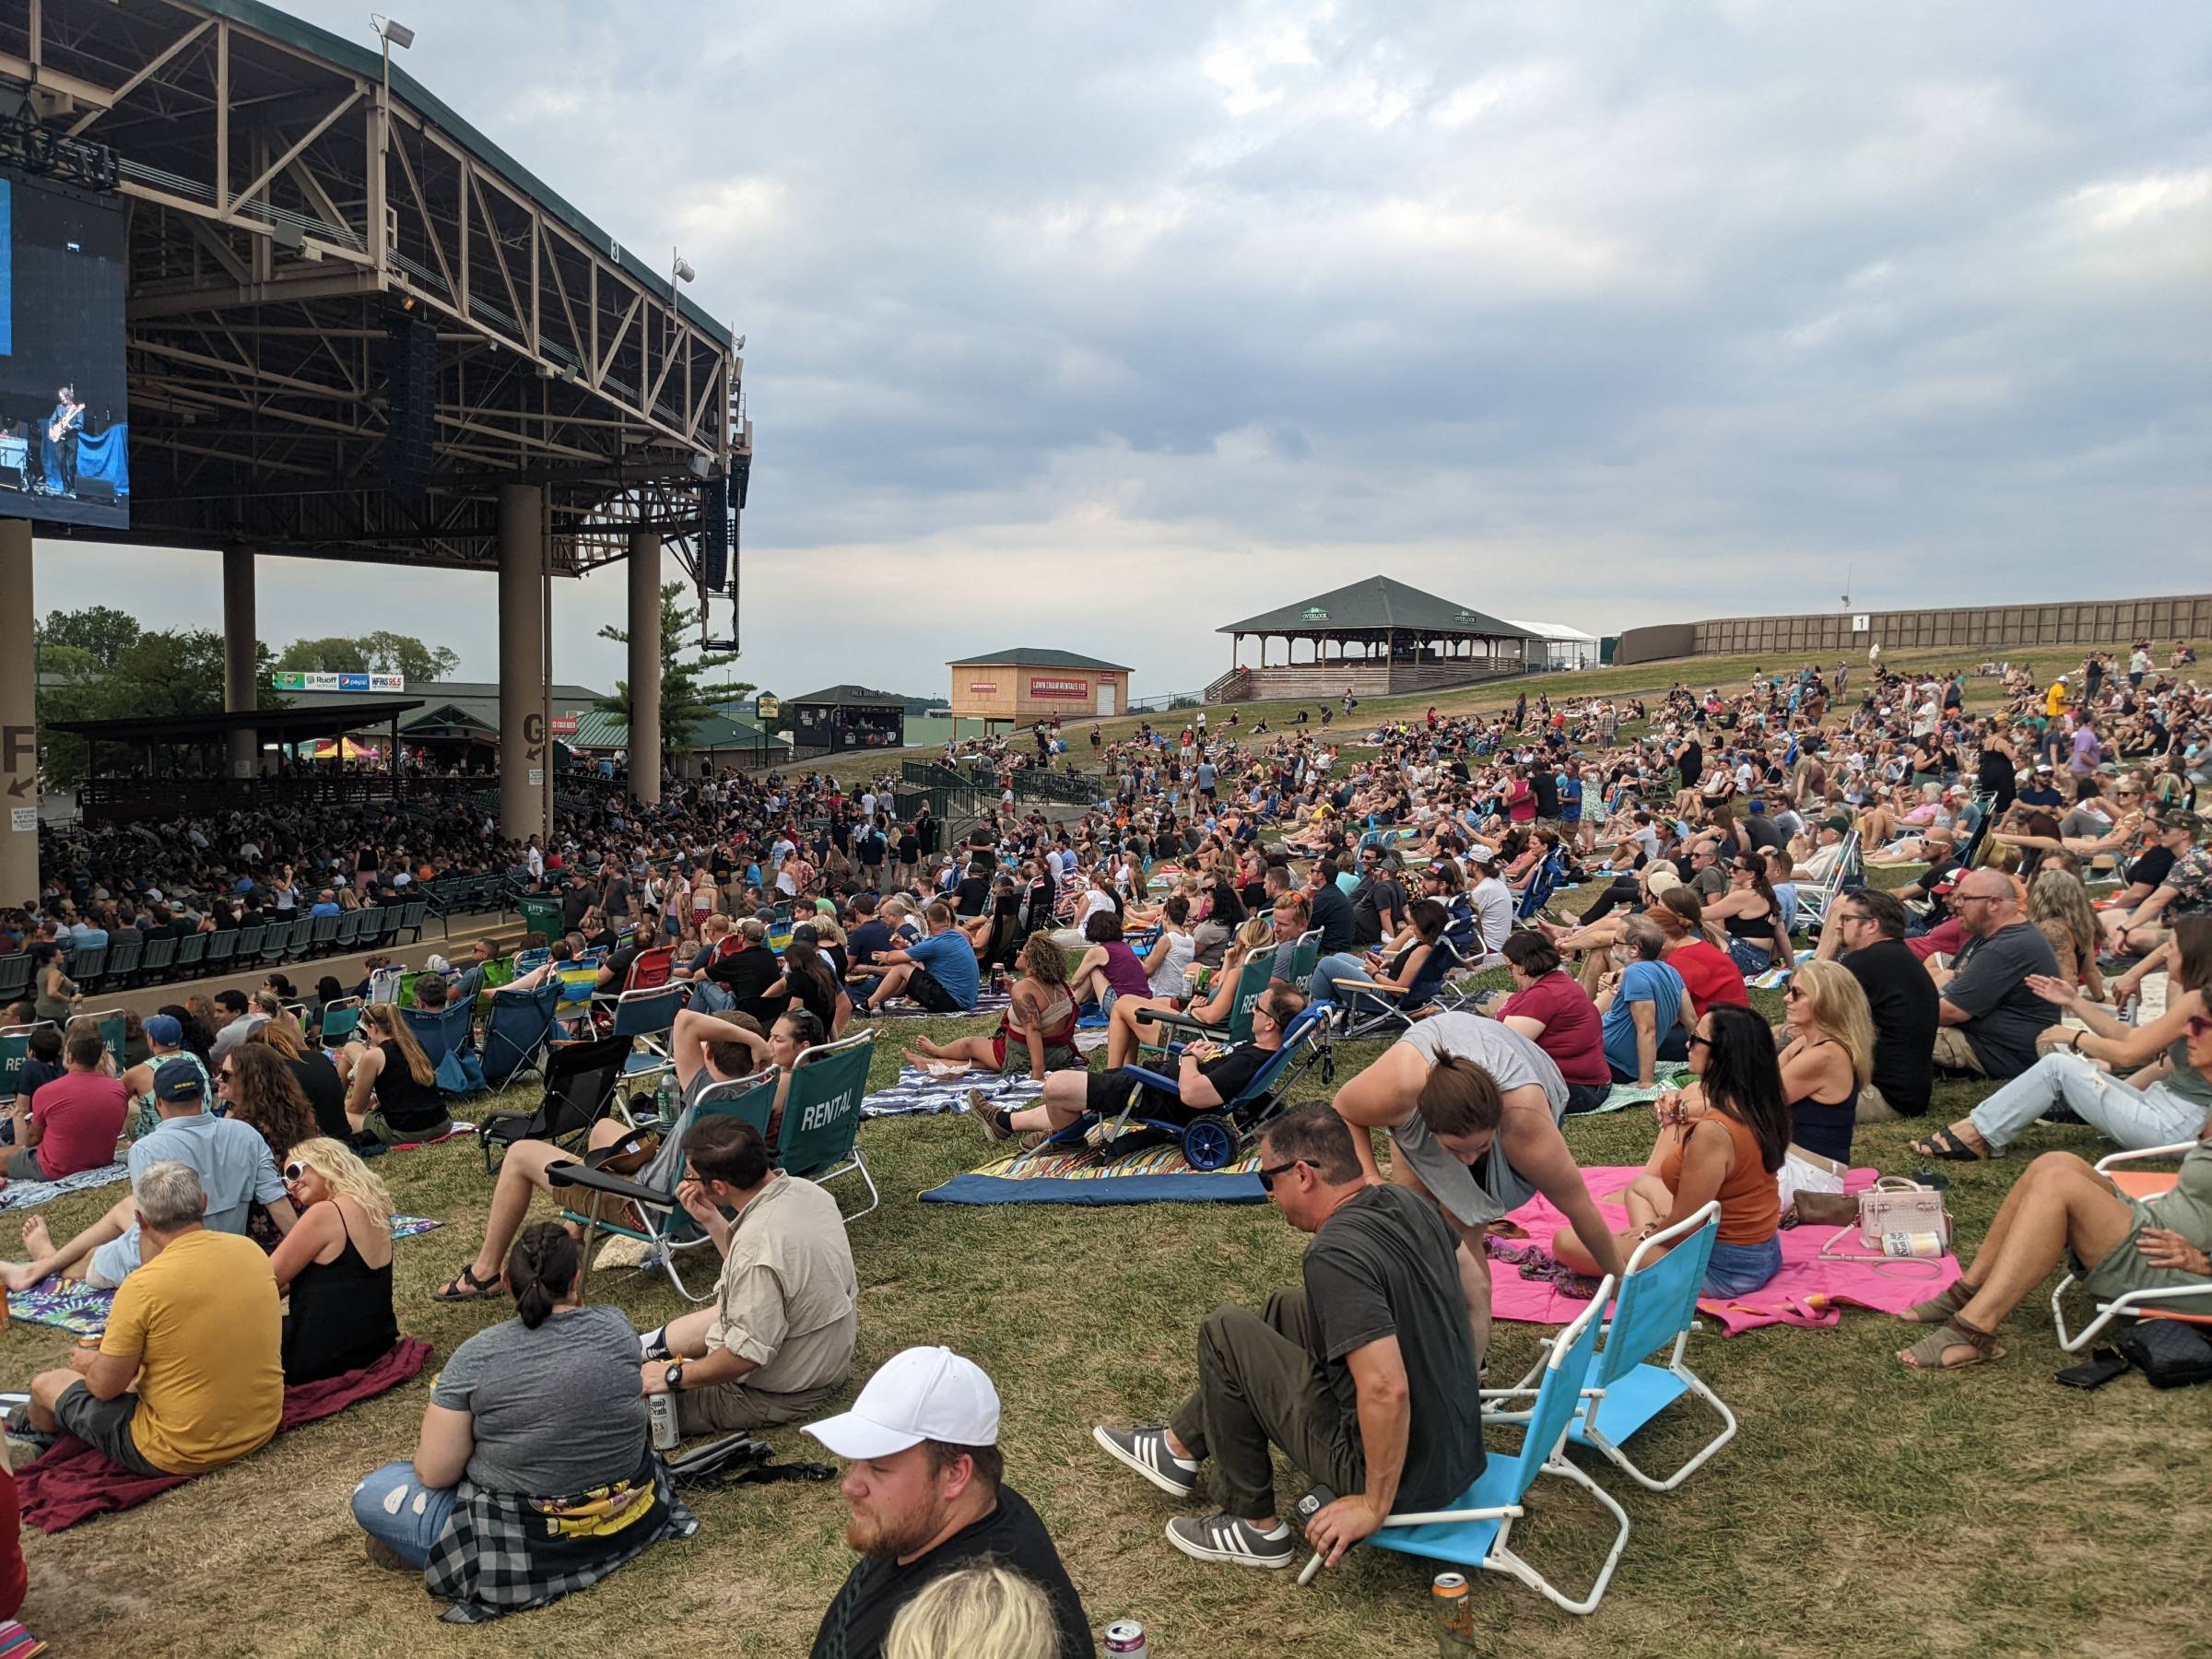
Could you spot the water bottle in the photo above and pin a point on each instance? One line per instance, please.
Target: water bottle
(664, 1097)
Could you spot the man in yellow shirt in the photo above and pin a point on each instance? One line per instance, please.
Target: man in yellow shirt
(197, 1325)
(2056, 697)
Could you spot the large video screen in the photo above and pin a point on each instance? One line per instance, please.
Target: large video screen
(64, 428)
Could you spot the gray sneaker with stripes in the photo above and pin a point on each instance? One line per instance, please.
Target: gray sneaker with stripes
(1146, 1451)
(1226, 1538)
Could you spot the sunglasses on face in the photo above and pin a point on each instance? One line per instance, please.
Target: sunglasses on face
(294, 1171)
(224, 1074)
(2198, 1024)
(1698, 1039)
(1267, 1176)
(1794, 991)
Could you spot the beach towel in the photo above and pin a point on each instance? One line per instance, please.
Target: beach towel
(987, 1002)
(1809, 1290)
(29, 1194)
(1776, 977)
(72, 1482)
(461, 1126)
(920, 1093)
(16, 1642)
(1625, 1095)
(1148, 1172)
(73, 1305)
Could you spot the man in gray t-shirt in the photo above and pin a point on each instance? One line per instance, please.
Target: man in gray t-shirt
(1473, 1109)
(1989, 1017)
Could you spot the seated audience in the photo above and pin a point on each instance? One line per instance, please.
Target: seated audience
(1865, 933)
(75, 1121)
(42, 1064)
(2186, 889)
(237, 1017)
(541, 1416)
(1127, 1030)
(1410, 966)
(257, 1088)
(1553, 1011)
(1108, 968)
(164, 1043)
(937, 973)
(1693, 949)
(1989, 1017)
(778, 1341)
(1827, 1040)
(195, 1328)
(335, 1264)
(1363, 1377)
(1038, 1024)
(1724, 1138)
(392, 1093)
(984, 1611)
(1644, 1006)
(926, 1497)
(312, 1070)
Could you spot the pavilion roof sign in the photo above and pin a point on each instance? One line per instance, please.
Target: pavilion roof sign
(1378, 603)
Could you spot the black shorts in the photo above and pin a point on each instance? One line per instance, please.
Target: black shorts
(922, 989)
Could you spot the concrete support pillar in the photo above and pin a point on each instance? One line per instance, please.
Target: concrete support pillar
(525, 751)
(645, 665)
(18, 718)
(240, 646)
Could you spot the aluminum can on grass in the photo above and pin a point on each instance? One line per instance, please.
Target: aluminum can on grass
(1125, 1637)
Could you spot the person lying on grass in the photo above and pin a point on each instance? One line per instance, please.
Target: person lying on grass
(707, 1049)
(1040, 1018)
(1724, 1138)
(2061, 1208)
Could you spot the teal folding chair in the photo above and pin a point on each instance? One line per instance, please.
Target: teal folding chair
(1476, 1531)
(821, 1115)
(1657, 1307)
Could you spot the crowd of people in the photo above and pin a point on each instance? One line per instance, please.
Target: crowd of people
(1717, 830)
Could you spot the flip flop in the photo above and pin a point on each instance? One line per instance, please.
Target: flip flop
(465, 1286)
(1943, 1143)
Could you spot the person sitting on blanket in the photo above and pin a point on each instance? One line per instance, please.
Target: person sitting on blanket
(1207, 1077)
(1827, 1055)
(335, 1264)
(1553, 1011)
(938, 973)
(925, 1494)
(1473, 1109)
(41, 1065)
(533, 1474)
(1364, 1376)
(227, 1157)
(1724, 1138)
(778, 1341)
(392, 1093)
(1108, 969)
(1693, 948)
(1126, 1033)
(1645, 1008)
(75, 1121)
(705, 1049)
(196, 1327)
(1040, 1020)
(2060, 1211)
(165, 1041)
(2163, 1099)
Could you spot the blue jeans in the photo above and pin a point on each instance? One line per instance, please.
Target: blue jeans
(1734, 1270)
(1345, 964)
(397, 1510)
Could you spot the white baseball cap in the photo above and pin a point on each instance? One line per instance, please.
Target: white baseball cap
(1480, 852)
(921, 1394)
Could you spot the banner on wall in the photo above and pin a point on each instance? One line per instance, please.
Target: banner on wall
(1071, 691)
(293, 680)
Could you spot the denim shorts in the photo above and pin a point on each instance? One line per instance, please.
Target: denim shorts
(1738, 1269)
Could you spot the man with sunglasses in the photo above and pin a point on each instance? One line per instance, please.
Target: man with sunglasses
(1989, 1015)
(229, 1158)
(1364, 1376)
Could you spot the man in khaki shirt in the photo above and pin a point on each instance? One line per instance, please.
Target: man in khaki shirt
(778, 1341)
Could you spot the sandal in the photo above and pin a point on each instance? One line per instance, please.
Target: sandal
(465, 1286)
(1939, 1308)
(1943, 1143)
(1928, 1352)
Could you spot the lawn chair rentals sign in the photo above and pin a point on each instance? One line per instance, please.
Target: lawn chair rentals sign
(1067, 690)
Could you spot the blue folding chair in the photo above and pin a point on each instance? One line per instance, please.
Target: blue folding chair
(1476, 1531)
(646, 1018)
(1657, 1307)
(443, 1034)
(516, 1034)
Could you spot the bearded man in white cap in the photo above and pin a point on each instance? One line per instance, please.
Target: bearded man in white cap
(925, 1484)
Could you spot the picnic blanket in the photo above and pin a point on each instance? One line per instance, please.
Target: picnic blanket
(920, 1093)
(1625, 1095)
(1807, 1291)
(70, 1482)
(461, 1126)
(29, 1194)
(987, 1002)
(1776, 977)
(1149, 1172)
(73, 1305)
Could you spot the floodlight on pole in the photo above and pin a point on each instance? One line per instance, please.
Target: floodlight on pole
(392, 31)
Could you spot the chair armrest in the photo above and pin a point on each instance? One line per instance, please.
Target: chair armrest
(2179, 1149)
(599, 1181)
(1182, 1022)
(1166, 1085)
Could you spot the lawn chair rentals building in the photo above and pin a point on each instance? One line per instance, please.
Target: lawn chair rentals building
(1029, 684)
(1378, 637)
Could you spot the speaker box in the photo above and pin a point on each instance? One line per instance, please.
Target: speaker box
(412, 416)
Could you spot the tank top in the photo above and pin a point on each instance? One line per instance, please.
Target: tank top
(341, 1317)
(407, 1104)
(1125, 973)
(1755, 930)
(1750, 1202)
(1824, 1127)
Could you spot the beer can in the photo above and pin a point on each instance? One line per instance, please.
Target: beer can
(1452, 1611)
(661, 1409)
(1126, 1637)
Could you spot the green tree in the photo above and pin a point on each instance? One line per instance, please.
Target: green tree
(175, 671)
(99, 628)
(684, 702)
(405, 654)
(336, 654)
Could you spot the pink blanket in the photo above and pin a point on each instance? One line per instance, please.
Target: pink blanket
(1807, 1291)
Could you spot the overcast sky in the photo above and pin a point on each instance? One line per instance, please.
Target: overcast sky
(1101, 325)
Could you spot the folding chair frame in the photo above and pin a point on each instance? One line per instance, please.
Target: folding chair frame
(2132, 1305)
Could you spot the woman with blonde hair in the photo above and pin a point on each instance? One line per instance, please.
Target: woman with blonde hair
(2059, 906)
(978, 1611)
(1827, 1057)
(391, 1087)
(335, 1264)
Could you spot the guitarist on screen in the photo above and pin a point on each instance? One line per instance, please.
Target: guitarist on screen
(62, 428)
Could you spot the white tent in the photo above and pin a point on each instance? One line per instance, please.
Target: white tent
(1564, 647)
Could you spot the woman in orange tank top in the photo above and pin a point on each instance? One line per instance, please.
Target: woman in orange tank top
(1723, 1137)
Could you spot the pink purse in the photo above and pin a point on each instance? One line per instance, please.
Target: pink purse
(1896, 1217)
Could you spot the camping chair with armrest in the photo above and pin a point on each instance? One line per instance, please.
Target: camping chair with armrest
(113, 1033)
(516, 1033)
(644, 1206)
(1370, 1007)
(1815, 897)
(341, 1018)
(15, 1048)
(2134, 1304)
(1477, 1530)
(1657, 1310)
(443, 1034)
(819, 1135)
(1252, 984)
(1543, 882)
(645, 1018)
(582, 1079)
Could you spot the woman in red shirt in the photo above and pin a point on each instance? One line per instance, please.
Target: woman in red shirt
(1710, 972)
(1553, 1011)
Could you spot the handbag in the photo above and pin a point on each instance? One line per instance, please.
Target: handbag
(1896, 1217)
(2169, 1354)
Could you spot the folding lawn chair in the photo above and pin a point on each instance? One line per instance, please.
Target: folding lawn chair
(580, 1080)
(655, 1218)
(1815, 897)
(819, 1135)
(516, 1034)
(1476, 1531)
(340, 1021)
(645, 1018)
(1371, 1007)
(443, 1035)
(1251, 983)
(1658, 1304)
(2134, 1304)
